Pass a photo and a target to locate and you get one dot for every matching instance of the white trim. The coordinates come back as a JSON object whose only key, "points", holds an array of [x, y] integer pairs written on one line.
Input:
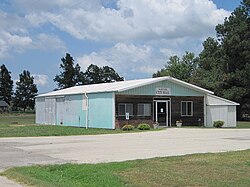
{"points": [[205, 111], [168, 110], [87, 111]]}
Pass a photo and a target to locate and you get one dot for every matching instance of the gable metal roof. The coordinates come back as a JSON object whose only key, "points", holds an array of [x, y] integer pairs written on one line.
{"points": [[213, 100], [120, 86]]}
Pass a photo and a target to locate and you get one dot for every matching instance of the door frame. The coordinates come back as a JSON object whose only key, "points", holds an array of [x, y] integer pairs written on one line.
{"points": [[167, 101]]}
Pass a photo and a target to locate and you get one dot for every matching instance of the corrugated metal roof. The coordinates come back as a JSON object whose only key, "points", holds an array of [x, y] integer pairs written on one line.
{"points": [[119, 87], [213, 100]]}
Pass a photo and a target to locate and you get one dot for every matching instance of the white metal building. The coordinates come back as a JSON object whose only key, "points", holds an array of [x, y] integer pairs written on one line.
{"points": [[221, 109], [163, 100]]}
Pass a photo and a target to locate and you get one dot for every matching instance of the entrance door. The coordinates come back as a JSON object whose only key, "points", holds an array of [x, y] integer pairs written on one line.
{"points": [[162, 112]]}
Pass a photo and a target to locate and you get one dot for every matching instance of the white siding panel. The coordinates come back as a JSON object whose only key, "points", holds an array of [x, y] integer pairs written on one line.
{"points": [[223, 113], [40, 110], [50, 111], [60, 111], [231, 119]]}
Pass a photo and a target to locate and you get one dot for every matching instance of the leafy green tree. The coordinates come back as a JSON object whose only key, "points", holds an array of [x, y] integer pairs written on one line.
{"points": [[180, 68], [211, 71], [6, 84], [95, 75], [26, 91], [110, 75], [70, 74]]}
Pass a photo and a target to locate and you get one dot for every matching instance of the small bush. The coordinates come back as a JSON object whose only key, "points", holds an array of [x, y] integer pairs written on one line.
{"points": [[128, 127], [143, 126], [218, 124]]}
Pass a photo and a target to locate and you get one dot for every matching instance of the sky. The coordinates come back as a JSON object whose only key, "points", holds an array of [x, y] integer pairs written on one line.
{"points": [[135, 37]]}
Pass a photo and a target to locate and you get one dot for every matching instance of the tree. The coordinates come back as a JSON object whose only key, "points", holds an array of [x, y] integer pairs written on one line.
{"points": [[70, 75], [211, 67], [26, 91], [110, 75], [225, 62], [6, 84], [95, 75], [180, 68]]}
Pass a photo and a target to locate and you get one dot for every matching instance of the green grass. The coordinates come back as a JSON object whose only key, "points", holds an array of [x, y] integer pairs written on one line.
{"points": [[221, 169], [243, 124], [26, 127]]}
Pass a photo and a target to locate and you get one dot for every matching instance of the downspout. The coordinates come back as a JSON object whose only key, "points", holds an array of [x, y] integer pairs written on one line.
{"points": [[87, 109], [205, 110]]}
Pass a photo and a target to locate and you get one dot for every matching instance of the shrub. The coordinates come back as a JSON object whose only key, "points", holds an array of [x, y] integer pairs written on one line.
{"points": [[128, 127], [143, 126], [218, 124]]}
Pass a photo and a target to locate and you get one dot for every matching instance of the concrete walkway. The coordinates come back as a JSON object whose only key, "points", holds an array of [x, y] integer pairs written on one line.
{"points": [[119, 147]]}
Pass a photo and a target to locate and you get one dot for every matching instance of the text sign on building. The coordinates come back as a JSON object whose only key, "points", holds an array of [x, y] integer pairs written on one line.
{"points": [[162, 91], [127, 116]]}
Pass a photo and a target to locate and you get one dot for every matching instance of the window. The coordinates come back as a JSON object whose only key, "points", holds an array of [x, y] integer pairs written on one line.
{"points": [[187, 108], [124, 108], [144, 109]]}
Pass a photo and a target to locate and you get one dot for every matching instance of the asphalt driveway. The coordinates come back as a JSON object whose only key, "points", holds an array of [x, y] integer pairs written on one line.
{"points": [[119, 147]]}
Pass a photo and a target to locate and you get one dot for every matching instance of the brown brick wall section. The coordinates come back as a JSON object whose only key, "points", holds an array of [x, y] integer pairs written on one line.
{"points": [[195, 120], [198, 110]]}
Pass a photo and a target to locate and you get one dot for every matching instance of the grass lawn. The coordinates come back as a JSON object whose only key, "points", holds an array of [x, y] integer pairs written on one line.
{"points": [[220, 169], [243, 124], [23, 125]]}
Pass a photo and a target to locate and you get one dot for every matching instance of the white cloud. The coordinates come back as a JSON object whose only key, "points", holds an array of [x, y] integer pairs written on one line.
{"points": [[131, 20], [51, 42], [13, 42], [40, 79], [128, 60]]}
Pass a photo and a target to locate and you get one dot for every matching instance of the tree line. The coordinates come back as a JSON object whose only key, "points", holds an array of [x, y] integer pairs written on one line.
{"points": [[25, 92], [71, 75], [223, 65]]}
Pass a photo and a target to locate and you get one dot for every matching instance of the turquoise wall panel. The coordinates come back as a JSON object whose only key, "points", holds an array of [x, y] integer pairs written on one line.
{"points": [[101, 110], [176, 89], [70, 112]]}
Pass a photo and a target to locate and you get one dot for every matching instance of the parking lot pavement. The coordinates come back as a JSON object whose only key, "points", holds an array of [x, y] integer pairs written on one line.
{"points": [[119, 147], [4, 182]]}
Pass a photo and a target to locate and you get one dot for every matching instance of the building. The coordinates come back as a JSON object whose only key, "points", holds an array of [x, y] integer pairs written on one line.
{"points": [[162, 100], [3, 106]]}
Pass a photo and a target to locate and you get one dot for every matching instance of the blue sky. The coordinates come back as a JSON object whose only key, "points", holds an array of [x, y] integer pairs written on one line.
{"points": [[136, 38]]}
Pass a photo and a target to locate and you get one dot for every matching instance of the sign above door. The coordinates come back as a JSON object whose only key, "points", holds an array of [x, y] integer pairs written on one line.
{"points": [[162, 91]]}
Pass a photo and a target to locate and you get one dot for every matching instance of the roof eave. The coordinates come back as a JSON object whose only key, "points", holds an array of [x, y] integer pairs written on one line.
{"points": [[191, 86], [142, 84]]}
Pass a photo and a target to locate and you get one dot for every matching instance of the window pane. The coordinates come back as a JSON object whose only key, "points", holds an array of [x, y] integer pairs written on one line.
{"points": [[140, 109], [183, 108], [189, 108], [147, 110], [129, 109], [121, 109]]}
